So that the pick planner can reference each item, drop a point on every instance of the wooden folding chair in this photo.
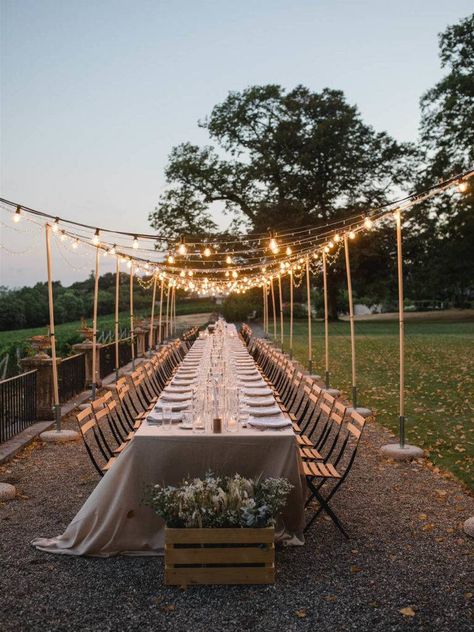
(334, 470)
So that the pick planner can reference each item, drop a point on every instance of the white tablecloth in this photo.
(113, 520)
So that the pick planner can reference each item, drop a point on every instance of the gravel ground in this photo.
(407, 550)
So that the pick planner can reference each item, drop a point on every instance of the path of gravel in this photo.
(407, 551)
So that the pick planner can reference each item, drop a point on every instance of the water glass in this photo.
(166, 416)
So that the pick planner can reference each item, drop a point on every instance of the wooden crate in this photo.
(219, 556)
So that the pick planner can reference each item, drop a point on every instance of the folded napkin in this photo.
(255, 377)
(178, 388)
(175, 397)
(175, 406)
(250, 391)
(269, 411)
(269, 424)
(155, 418)
(259, 401)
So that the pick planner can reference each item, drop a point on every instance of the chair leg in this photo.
(324, 506)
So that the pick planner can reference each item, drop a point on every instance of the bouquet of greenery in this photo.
(214, 501)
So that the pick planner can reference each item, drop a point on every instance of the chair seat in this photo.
(303, 440)
(109, 464)
(121, 447)
(310, 453)
(137, 424)
(321, 470)
(296, 428)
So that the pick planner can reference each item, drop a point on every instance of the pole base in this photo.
(407, 453)
(61, 436)
(365, 412)
(469, 527)
(332, 391)
(7, 492)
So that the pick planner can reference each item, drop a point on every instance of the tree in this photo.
(283, 159)
(447, 124)
(439, 243)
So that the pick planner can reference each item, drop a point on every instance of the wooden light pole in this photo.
(351, 322)
(291, 314)
(160, 331)
(132, 326)
(326, 323)
(281, 312)
(308, 296)
(52, 335)
(117, 299)
(152, 317)
(94, 324)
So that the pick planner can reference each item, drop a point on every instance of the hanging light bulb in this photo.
(182, 250)
(17, 215)
(337, 237)
(235, 274)
(227, 273)
(368, 223)
(228, 259)
(207, 251)
(288, 250)
(135, 243)
(55, 225)
(190, 273)
(352, 235)
(129, 263)
(104, 254)
(75, 243)
(112, 250)
(95, 238)
(326, 249)
(182, 273)
(463, 187)
(147, 266)
(330, 244)
(63, 236)
(170, 259)
(264, 269)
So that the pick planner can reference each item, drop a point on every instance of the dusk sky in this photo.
(94, 94)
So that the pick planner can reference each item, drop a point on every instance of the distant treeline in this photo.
(28, 306)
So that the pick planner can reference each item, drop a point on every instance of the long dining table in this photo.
(114, 519)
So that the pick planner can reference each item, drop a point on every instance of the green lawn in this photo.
(439, 380)
(67, 333)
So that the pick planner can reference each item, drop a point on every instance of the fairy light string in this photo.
(211, 267)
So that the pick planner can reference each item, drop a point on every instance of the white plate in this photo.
(175, 406)
(184, 426)
(270, 411)
(269, 424)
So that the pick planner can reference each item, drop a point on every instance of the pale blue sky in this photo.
(95, 93)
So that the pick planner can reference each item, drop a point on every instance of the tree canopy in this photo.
(280, 159)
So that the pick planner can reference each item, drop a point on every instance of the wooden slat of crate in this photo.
(180, 549)
(243, 575)
(219, 536)
(241, 555)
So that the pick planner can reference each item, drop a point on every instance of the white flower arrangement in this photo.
(218, 502)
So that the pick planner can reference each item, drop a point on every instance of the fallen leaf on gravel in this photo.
(422, 516)
(427, 527)
(407, 612)
(130, 514)
(450, 530)
(301, 614)
(441, 492)
(168, 608)
(355, 569)
(329, 597)
(467, 595)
